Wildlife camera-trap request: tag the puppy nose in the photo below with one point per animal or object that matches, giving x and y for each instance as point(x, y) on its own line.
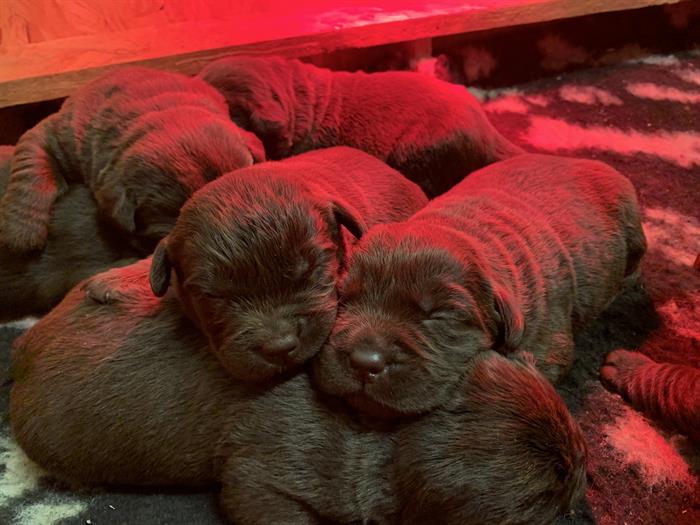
point(280, 345)
point(367, 360)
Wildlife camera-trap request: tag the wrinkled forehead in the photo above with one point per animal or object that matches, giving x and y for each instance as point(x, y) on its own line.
point(262, 245)
point(403, 264)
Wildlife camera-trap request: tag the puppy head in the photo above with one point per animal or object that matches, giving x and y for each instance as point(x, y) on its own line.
point(258, 94)
point(411, 316)
point(145, 187)
point(256, 260)
point(506, 450)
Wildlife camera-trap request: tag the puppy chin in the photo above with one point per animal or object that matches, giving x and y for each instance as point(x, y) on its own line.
point(368, 406)
point(248, 365)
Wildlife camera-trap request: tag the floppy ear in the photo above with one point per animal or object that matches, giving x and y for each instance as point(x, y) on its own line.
point(270, 123)
point(160, 269)
point(509, 319)
point(254, 145)
point(344, 215)
point(349, 217)
point(114, 203)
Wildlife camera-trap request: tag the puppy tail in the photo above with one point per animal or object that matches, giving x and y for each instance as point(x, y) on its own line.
point(25, 208)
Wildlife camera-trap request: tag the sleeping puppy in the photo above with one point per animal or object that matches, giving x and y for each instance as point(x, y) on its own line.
point(141, 140)
point(432, 131)
point(256, 253)
point(160, 411)
point(517, 256)
point(78, 246)
point(668, 393)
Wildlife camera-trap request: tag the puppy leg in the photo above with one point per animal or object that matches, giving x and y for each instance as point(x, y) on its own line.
point(252, 495)
point(25, 208)
point(668, 393)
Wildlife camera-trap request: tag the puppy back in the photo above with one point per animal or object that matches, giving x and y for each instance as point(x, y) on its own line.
point(378, 192)
point(505, 450)
point(128, 384)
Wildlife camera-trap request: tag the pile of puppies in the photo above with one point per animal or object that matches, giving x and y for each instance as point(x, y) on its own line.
point(334, 347)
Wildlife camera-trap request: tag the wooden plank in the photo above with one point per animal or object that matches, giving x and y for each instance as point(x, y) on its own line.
point(52, 69)
point(42, 20)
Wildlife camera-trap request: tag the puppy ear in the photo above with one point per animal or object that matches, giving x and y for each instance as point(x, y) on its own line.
point(346, 215)
point(254, 145)
point(113, 202)
point(160, 269)
point(342, 214)
point(509, 319)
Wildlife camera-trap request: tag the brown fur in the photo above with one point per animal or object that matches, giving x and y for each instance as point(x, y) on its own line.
point(128, 394)
point(141, 140)
point(78, 245)
point(516, 257)
point(256, 253)
point(668, 393)
point(432, 131)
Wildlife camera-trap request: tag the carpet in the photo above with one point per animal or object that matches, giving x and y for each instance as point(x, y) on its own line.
point(643, 118)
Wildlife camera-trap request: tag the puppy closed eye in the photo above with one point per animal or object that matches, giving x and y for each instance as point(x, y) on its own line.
point(436, 310)
point(452, 317)
point(442, 315)
point(218, 297)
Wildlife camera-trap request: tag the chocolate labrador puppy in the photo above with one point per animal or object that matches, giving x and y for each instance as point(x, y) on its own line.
point(256, 254)
point(141, 140)
point(127, 393)
point(78, 245)
point(517, 256)
point(668, 393)
point(432, 131)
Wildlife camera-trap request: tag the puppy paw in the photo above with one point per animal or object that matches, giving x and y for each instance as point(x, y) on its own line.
point(620, 368)
point(22, 237)
point(124, 283)
point(101, 291)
